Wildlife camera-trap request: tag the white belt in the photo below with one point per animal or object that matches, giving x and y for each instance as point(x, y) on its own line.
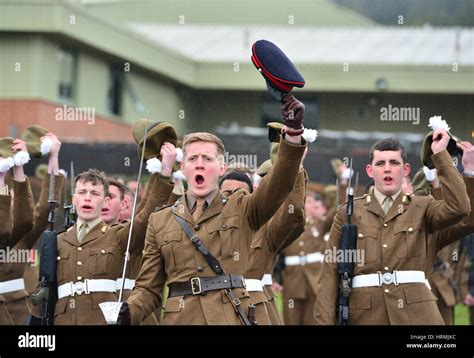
point(253, 285)
point(387, 278)
point(12, 286)
point(86, 286)
point(303, 260)
point(128, 284)
point(267, 279)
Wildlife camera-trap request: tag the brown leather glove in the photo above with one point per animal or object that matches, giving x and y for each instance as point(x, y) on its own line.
point(124, 318)
point(292, 112)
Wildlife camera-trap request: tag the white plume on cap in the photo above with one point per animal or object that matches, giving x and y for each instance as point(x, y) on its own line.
point(430, 174)
point(46, 145)
point(153, 165)
point(178, 175)
point(179, 155)
point(437, 123)
point(310, 135)
point(21, 158)
point(6, 164)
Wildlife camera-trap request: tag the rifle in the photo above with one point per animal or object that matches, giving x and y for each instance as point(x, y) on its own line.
point(47, 295)
point(69, 209)
point(345, 267)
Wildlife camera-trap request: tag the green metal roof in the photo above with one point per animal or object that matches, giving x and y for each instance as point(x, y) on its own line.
point(349, 68)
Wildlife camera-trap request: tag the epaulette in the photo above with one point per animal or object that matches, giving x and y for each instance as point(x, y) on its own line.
point(62, 232)
point(158, 208)
point(365, 196)
point(70, 228)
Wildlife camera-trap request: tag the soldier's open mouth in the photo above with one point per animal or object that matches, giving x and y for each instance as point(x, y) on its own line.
point(105, 210)
point(86, 207)
point(387, 180)
point(199, 179)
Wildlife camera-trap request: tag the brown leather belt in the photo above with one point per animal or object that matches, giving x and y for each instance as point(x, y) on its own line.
point(201, 285)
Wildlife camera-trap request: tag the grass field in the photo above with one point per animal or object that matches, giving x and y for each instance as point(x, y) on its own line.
point(461, 312)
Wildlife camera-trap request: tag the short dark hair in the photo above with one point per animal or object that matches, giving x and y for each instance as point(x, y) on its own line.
point(118, 184)
point(239, 176)
point(388, 144)
point(128, 191)
point(95, 177)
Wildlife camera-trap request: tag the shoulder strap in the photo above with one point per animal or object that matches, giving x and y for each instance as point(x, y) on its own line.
point(198, 245)
point(215, 266)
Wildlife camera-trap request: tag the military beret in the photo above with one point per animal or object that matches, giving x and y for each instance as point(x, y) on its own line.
point(6, 144)
point(274, 131)
point(264, 168)
point(279, 72)
point(426, 151)
point(436, 122)
point(157, 134)
point(36, 147)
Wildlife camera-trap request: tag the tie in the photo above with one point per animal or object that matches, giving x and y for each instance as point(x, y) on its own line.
point(199, 208)
point(387, 204)
point(83, 232)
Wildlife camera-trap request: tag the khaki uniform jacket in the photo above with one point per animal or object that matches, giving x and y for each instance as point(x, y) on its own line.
point(398, 241)
point(299, 281)
point(226, 228)
point(284, 227)
point(100, 255)
point(443, 282)
point(17, 222)
point(17, 302)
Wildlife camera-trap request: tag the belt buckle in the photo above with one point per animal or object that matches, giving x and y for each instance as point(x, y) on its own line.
point(387, 278)
point(196, 286)
point(80, 287)
point(303, 260)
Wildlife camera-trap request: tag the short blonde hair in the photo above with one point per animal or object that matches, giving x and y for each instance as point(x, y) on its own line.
point(203, 137)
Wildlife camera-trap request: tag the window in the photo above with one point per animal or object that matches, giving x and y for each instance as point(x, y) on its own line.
point(115, 89)
point(67, 72)
point(271, 111)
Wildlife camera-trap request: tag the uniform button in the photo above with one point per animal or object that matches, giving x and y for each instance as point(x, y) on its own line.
point(79, 248)
point(79, 263)
point(385, 225)
point(360, 235)
point(58, 258)
point(102, 251)
point(200, 268)
point(197, 227)
point(301, 243)
point(302, 253)
point(387, 290)
point(410, 229)
point(224, 226)
point(385, 268)
point(384, 245)
point(79, 278)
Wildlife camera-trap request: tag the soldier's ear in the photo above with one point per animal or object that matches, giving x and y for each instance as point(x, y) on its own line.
point(406, 169)
point(223, 168)
point(368, 170)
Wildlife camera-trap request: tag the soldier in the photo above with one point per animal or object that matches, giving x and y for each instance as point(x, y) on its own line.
point(17, 219)
point(284, 227)
point(303, 261)
point(16, 298)
point(110, 213)
point(91, 253)
point(395, 251)
point(199, 293)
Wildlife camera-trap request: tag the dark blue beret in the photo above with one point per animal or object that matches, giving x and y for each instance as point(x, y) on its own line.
point(275, 66)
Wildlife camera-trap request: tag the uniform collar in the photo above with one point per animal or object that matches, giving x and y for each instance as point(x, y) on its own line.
point(381, 197)
point(191, 199)
point(92, 224)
